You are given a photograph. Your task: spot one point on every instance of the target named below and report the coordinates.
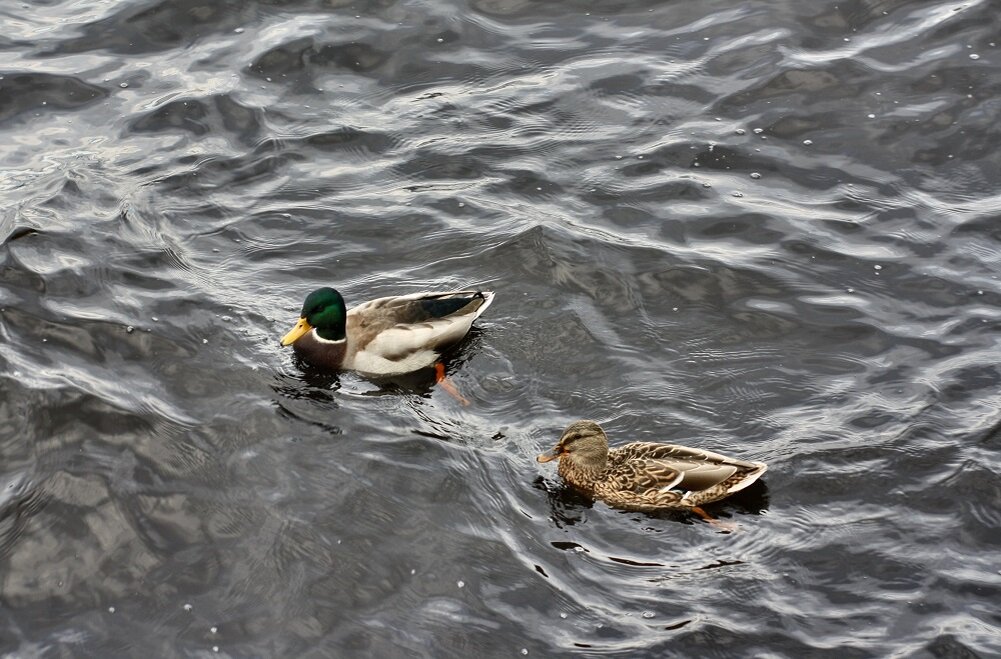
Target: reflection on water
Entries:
(765, 228)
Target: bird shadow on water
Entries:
(567, 506)
(314, 396)
(305, 394)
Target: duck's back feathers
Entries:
(404, 333)
(699, 469)
(421, 307)
(642, 474)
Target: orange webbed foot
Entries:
(724, 527)
(446, 384)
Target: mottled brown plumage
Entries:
(646, 476)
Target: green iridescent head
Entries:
(324, 310)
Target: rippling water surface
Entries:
(767, 228)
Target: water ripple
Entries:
(766, 229)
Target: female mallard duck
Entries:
(645, 476)
(388, 336)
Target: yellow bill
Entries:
(296, 333)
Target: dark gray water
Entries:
(766, 228)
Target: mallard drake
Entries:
(645, 476)
(387, 336)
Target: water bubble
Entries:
(130, 329)
(707, 185)
(759, 131)
(215, 648)
(213, 629)
(239, 30)
(155, 319)
(871, 115)
(205, 340)
(974, 56)
(877, 267)
(123, 85)
(648, 614)
(740, 131)
(851, 290)
(980, 292)
(563, 615)
(808, 142)
(111, 609)
(524, 650)
(460, 583)
(738, 194)
(755, 175)
(413, 571)
(187, 607)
